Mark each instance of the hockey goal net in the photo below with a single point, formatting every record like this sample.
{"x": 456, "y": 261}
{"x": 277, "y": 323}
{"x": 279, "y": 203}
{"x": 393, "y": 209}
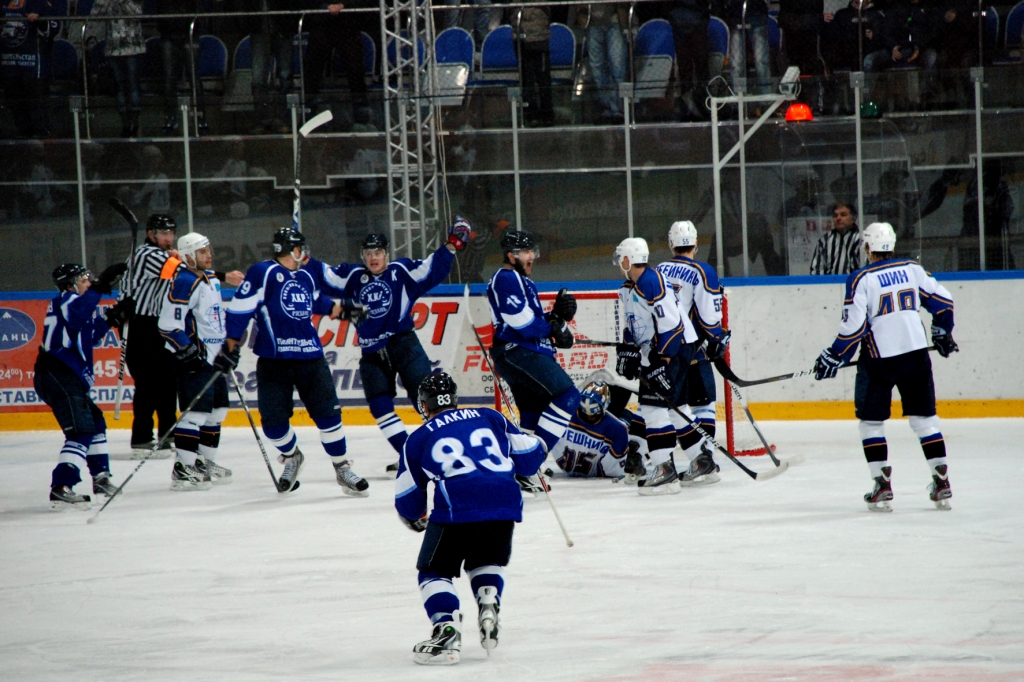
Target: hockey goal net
{"x": 598, "y": 318}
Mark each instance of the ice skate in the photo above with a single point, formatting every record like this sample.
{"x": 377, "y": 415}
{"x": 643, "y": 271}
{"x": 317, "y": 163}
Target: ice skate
{"x": 443, "y": 646}
{"x": 878, "y": 499}
{"x": 186, "y": 478}
{"x": 145, "y": 451}
{"x": 392, "y": 468}
{"x": 102, "y": 485}
{"x": 292, "y": 466}
{"x": 939, "y": 491}
{"x": 212, "y": 471}
{"x": 530, "y": 486}
{"x": 351, "y": 483}
{"x": 63, "y": 498}
{"x": 634, "y": 466}
{"x": 487, "y": 601}
{"x": 702, "y": 471}
{"x": 661, "y": 480}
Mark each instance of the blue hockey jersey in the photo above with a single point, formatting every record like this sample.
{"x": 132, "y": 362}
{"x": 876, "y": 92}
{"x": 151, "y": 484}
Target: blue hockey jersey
{"x": 389, "y": 296}
{"x": 284, "y": 302}
{"x": 472, "y": 455}
{"x": 71, "y": 329}
{"x": 593, "y": 450}
{"x": 516, "y": 312}
{"x": 25, "y": 46}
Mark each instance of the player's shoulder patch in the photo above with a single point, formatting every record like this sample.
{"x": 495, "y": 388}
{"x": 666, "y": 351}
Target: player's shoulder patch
{"x": 651, "y": 285}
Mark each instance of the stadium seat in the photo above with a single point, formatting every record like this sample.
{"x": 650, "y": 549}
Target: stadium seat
{"x": 212, "y": 65}
{"x": 718, "y": 36}
{"x": 369, "y": 55}
{"x": 243, "y": 55}
{"x": 499, "y": 63}
{"x": 563, "y": 53}
{"x": 453, "y": 49}
{"x": 1013, "y": 36}
{"x": 654, "y": 51}
{"x": 64, "y": 61}
{"x": 774, "y": 34}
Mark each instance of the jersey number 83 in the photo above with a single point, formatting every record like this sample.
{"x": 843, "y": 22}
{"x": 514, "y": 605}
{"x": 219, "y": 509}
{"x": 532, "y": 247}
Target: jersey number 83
{"x": 456, "y": 460}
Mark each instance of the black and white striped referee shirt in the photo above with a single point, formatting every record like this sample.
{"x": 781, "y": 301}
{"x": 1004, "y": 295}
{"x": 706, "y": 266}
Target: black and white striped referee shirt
{"x": 837, "y": 254}
{"x": 149, "y": 281}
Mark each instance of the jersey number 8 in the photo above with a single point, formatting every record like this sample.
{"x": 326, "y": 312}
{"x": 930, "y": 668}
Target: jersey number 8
{"x": 451, "y": 454}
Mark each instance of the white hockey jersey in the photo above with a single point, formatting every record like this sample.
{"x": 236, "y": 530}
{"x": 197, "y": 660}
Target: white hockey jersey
{"x": 192, "y": 313}
{"x": 881, "y": 309}
{"x": 652, "y": 317}
{"x": 698, "y": 294}
{"x": 593, "y": 450}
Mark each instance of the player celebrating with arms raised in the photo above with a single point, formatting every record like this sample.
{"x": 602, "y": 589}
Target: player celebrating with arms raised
{"x": 472, "y": 456}
{"x": 880, "y": 314}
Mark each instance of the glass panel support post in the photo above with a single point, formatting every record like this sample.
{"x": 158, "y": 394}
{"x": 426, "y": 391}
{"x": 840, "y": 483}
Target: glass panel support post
{"x": 514, "y": 98}
{"x": 857, "y": 83}
{"x": 626, "y": 92}
{"x": 741, "y": 86}
{"x": 978, "y": 78}
{"x": 183, "y": 102}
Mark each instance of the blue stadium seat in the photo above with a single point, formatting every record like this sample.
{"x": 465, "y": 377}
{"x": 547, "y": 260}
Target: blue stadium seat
{"x": 774, "y": 34}
{"x": 655, "y": 38}
{"x": 243, "y": 54}
{"x": 563, "y": 52}
{"x": 84, "y": 8}
{"x": 498, "y": 61}
{"x": 454, "y": 46}
{"x": 654, "y": 53}
{"x": 369, "y": 54}
{"x": 64, "y": 60}
{"x": 1014, "y": 37}
{"x": 213, "y": 57}
{"x": 718, "y": 36}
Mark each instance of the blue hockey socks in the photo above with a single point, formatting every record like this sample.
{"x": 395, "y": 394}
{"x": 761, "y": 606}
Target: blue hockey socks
{"x": 382, "y": 408}
{"x": 554, "y": 420}
{"x": 439, "y": 597}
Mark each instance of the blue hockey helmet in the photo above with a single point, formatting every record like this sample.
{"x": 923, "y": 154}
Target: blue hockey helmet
{"x": 594, "y": 400}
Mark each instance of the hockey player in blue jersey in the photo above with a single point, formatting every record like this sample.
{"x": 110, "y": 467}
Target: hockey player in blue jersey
{"x": 282, "y": 294}
{"x": 880, "y": 315}
{"x": 192, "y": 324}
{"x": 596, "y": 443}
{"x": 698, "y": 295}
{"x": 654, "y": 350}
{"x": 525, "y": 340}
{"x": 380, "y": 295}
{"x": 63, "y": 377}
{"x": 472, "y": 457}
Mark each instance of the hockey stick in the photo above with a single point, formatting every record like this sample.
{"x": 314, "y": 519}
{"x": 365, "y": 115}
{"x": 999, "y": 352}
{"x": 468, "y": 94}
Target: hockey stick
{"x": 259, "y": 441}
{"x": 159, "y": 443}
{"x": 133, "y": 222}
{"x": 726, "y": 371}
{"x": 764, "y": 441}
{"x": 756, "y": 475}
{"x": 309, "y": 126}
{"x": 511, "y": 415}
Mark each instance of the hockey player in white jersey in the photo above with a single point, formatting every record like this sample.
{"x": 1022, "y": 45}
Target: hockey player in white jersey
{"x": 595, "y": 443}
{"x": 192, "y": 324}
{"x": 880, "y": 314}
{"x": 653, "y": 349}
{"x": 698, "y": 295}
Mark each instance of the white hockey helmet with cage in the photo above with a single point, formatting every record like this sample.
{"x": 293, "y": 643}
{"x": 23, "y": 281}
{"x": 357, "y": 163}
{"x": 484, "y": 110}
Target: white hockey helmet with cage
{"x": 594, "y": 400}
{"x": 188, "y": 245}
{"x": 633, "y": 248}
{"x": 879, "y": 237}
{"x": 682, "y": 235}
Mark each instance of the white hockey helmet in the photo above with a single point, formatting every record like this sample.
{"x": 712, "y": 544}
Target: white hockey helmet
{"x": 634, "y": 248}
{"x": 188, "y": 245}
{"x": 682, "y": 235}
{"x": 879, "y": 237}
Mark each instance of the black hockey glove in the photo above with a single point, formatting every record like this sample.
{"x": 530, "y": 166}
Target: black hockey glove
{"x": 189, "y": 359}
{"x": 565, "y": 305}
{"x": 656, "y": 376}
{"x": 627, "y": 362}
{"x": 120, "y": 312}
{"x": 827, "y": 365}
{"x": 716, "y": 347}
{"x": 459, "y": 233}
{"x": 416, "y": 525}
{"x": 353, "y": 311}
{"x": 944, "y": 342}
{"x": 105, "y": 283}
{"x": 227, "y": 360}
{"x": 561, "y": 335}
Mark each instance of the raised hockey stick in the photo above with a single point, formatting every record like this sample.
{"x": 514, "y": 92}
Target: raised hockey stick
{"x": 259, "y": 441}
{"x": 726, "y": 371}
{"x": 159, "y": 443}
{"x": 764, "y": 441}
{"x": 133, "y": 222}
{"x": 511, "y": 415}
{"x": 756, "y": 475}
{"x": 309, "y": 126}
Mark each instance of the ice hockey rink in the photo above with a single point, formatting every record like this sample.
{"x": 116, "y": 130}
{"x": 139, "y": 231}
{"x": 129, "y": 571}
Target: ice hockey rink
{"x": 786, "y": 579}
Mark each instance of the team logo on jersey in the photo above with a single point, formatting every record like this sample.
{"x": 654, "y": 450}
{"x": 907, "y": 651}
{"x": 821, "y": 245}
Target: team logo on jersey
{"x": 296, "y": 301}
{"x": 214, "y": 318}
{"x": 14, "y": 33}
{"x": 637, "y": 328}
{"x": 364, "y": 279}
{"x": 376, "y": 296}
{"x": 280, "y": 277}
{"x": 16, "y": 329}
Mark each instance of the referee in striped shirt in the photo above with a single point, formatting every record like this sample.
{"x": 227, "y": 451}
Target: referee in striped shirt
{"x": 838, "y": 252}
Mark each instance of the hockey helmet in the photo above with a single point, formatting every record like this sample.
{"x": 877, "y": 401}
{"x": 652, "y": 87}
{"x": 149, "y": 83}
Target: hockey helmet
{"x": 438, "y": 392}
{"x": 161, "y": 221}
{"x": 594, "y": 400}
{"x": 375, "y": 240}
{"x": 188, "y": 245}
{"x": 286, "y": 239}
{"x": 67, "y": 275}
{"x": 682, "y": 235}
{"x": 879, "y": 237}
{"x": 518, "y": 240}
{"x": 634, "y": 248}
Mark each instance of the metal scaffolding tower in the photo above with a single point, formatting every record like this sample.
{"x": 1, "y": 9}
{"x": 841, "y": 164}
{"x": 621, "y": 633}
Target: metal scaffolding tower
{"x": 410, "y": 119}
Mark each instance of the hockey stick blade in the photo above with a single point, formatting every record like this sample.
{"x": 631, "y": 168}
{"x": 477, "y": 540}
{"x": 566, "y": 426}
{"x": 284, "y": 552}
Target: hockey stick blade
{"x": 726, "y": 371}
{"x": 124, "y": 211}
{"x": 312, "y": 124}
{"x": 773, "y": 472}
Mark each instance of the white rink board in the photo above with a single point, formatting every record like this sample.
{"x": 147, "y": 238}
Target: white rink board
{"x": 789, "y": 579}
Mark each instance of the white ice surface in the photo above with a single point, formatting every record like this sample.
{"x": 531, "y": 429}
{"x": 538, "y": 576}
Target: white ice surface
{"x": 787, "y": 579}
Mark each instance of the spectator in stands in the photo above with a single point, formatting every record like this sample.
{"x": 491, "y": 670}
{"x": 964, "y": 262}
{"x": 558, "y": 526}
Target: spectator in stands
{"x": 840, "y": 41}
{"x": 175, "y": 53}
{"x": 124, "y": 46}
{"x": 689, "y": 20}
{"x": 838, "y": 252}
{"x": 801, "y": 22}
{"x": 731, "y": 12}
{"x": 484, "y": 20}
{"x": 336, "y": 31}
{"x": 535, "y": 63}
{"x": 25, "y": 49}
{"x": 606, "y": 53}
{"x": 910, "y": 28}
{"x": 271, "y": 39}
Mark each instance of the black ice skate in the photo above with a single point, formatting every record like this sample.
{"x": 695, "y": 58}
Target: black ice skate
{"x": 443, "y": 646}
{"x": 351, "y": 483}
{"x": 63, "y": 498}
{"x": 102, "y": 485}
{"x": 634, "y": 466}
{"x": 530, "y": 486}
{"x": 186, "y": 478}
{"x": 392, "y": 468}
{"x": 212, "y": 471}
{"x": 939, "y": 491}
{"x": 702, "y": 471}
{"x": 661, "y": 480}
{"x": 145, "y": 451}
{"x": 879, "y": 498}
{"x": 487, "y": 601}
{"x": 290, "y": 476}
